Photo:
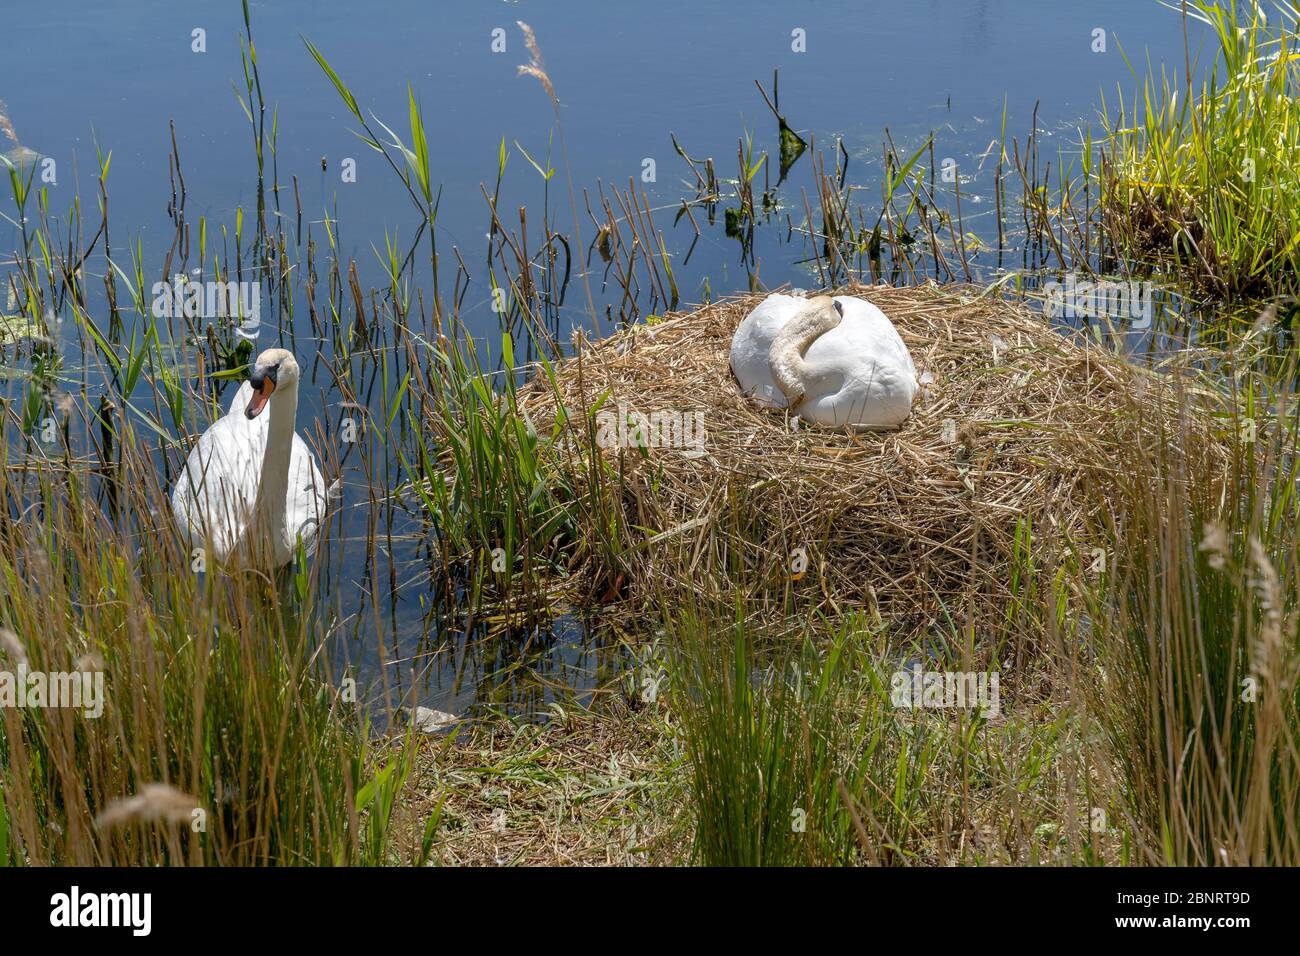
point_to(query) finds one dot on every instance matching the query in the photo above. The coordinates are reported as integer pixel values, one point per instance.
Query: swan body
(834, 361)
(251, 473)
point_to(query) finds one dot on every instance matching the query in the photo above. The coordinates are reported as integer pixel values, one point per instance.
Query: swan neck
(273, 488)
(789, 368)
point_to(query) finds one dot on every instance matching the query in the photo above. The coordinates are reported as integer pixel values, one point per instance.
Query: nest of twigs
(1013, 440)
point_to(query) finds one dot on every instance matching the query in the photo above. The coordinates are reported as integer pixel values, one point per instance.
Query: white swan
(247, 473)
(834, 361)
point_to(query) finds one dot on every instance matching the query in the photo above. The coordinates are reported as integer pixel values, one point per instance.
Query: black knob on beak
(258, 375)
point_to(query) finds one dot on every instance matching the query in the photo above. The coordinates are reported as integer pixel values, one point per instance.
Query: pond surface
(83, 73)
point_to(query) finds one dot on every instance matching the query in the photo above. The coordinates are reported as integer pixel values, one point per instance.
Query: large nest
(1012, 440)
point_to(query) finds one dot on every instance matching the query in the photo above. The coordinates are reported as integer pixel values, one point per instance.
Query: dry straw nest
(1017, 427)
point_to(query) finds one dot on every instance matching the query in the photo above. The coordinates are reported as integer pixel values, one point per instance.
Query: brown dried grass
(583, 789)
(913, 524)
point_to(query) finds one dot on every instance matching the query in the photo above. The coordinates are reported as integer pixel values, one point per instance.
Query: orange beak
(261, 396)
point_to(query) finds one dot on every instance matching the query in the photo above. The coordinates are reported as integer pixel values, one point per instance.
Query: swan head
(274, 368)
(826, 307)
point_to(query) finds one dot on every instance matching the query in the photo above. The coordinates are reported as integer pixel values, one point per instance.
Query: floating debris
(430, 721)
(15, 328)
(6, 125)
(21, 157)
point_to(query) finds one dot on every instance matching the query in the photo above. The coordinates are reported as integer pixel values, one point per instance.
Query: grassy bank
(1155, 722)
(1196, 175)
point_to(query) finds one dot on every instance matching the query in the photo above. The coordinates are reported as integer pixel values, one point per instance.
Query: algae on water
(15, 328)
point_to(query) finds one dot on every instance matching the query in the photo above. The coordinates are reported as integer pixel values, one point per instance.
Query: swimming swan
(834, 361)
(246, 472)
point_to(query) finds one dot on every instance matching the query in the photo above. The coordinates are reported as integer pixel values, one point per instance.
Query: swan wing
(214, 496)
(872, 396)
(308, 496)
(870, 329)
(859, 373)
(751, 348)
(243, 395)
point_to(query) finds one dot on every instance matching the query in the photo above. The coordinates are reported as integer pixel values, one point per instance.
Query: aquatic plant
(1195, 173)
(207, 686)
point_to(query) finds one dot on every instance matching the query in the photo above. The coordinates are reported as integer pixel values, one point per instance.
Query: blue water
(77, 74)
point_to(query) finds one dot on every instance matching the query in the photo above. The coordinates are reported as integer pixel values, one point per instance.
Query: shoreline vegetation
(1195, 176)
(1111, 549)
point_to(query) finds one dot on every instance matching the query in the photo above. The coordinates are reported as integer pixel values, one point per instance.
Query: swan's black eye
(258, 375)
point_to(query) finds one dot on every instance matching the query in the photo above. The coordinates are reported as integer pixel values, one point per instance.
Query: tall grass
(766, 743)
(1197, 638)
(798, 754)
(208, 689)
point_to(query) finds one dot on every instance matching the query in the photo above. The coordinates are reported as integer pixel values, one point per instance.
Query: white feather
(859, 373)
(214, 498)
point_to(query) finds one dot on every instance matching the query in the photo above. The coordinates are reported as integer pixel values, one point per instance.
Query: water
(82, 74)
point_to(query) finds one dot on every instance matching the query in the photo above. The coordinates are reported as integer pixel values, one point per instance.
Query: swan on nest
(832, 360)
